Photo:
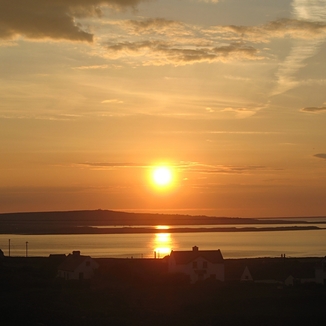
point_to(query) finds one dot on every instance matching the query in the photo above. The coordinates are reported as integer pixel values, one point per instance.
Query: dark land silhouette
(106, 221)
(140, 292)
(127, 292)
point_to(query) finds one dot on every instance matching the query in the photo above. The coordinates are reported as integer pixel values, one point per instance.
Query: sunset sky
(230, 94)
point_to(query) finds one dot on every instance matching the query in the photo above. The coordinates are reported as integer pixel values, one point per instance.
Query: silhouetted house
(286, 272)
(304, 275)
(237, 270)
(246, 275)
(270, 270)
(197, 264)
(77, 267)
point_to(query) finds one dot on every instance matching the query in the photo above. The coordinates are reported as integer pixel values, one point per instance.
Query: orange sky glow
(229, 95)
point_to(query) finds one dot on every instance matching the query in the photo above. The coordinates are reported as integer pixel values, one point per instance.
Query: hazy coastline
(115, 222)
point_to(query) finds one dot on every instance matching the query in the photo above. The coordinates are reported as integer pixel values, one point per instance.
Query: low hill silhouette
(106, 221)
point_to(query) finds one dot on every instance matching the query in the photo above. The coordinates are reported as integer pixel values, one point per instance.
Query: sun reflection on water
(162, 227)
(162, 242)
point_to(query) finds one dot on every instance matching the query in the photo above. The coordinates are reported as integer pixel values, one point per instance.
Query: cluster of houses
(200, 265)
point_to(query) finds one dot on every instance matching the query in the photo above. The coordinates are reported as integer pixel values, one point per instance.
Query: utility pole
(9, 248)
(26, 248)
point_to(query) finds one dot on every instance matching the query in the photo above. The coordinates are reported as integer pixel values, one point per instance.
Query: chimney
(76, 253)
(195, 248)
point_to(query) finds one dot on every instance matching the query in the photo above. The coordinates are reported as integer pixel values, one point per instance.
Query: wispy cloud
(158, 26)
(91, 67)
(221, 132)
(243, 132)
(196, 167)
(294, 28)
(313, 15)
(163, 52)
(314, 109)
(188, 166)
(110, 164)
(240, 113)
(158, 41)
(7, 43)
(321, 155)
(127, 165)
(209, 1)
(114, 101)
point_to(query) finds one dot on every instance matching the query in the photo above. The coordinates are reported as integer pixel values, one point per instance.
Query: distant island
(108, 221)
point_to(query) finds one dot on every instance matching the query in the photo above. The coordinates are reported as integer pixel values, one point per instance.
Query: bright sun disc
(162, 176)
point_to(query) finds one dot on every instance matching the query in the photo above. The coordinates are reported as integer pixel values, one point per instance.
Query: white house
(197, 264)
(77, 267)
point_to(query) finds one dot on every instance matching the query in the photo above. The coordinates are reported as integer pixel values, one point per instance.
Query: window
(205, 264)
(194, 264)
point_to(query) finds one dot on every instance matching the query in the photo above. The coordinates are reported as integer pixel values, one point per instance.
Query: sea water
(299, 243)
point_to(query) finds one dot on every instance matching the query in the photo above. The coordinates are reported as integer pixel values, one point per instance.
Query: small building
(77, 267)
(289, 271)
(197, 264)
(246, 275)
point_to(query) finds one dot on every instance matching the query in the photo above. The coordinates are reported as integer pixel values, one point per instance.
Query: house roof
(72, 262)
(185, 257)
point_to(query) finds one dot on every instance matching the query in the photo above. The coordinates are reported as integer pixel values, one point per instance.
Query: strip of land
(114, 222)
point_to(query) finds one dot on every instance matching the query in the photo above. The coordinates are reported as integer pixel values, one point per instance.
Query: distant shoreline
(139, 230)
(106, 222)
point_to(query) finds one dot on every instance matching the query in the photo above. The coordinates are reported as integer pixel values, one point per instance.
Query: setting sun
(162, 176)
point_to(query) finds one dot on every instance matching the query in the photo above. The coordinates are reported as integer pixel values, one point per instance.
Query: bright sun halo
(162, 176)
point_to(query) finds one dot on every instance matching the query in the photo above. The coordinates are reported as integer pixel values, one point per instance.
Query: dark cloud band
(314, 109)
(321, 155)
(54, 19)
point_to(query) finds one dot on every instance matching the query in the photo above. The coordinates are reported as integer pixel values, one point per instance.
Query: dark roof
(184, 257)
(72, 262)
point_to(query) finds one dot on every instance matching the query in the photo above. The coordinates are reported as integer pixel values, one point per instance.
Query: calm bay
(301, 243)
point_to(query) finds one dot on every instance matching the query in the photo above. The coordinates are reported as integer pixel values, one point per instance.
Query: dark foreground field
(30, 294)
